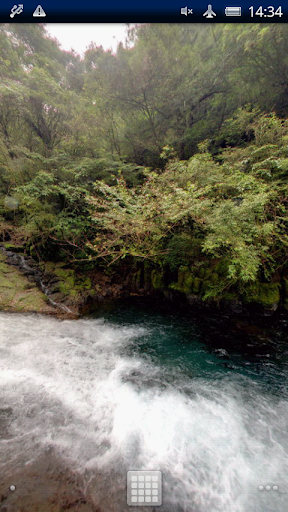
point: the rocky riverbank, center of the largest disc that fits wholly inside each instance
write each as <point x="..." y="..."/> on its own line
<point x="50" y="288"/>
<point x="18" y="294"/>
<point x="59" y="289"/>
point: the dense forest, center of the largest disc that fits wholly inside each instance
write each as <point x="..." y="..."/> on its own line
<point x="167" y="159"/>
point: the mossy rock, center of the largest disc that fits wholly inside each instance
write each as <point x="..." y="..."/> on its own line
<point x="185" y="283"/>
<point x="67" y="289"/>
<point x="188" y="283"/>
<point x="157" y="280"/>
<point x="18" y="294"/>
<point x="147" y="276"/>
<point x="137" y="279"/>
<point x="182" y="272"/>
<point x="201" y="272"/>
<point x="64" y="273"/>
<point x="69" y="284"/>
<point x="197" y="283"/>
<point x="206" y="285"/>
<point x="265" y="294"/>
<point x="14" y="248"/>
<point x="87" y="283"/>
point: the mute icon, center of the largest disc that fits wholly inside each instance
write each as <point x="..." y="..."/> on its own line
<point x="186" y="11"/>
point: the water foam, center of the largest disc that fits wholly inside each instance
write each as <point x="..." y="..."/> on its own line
<point x="72" y="386"/>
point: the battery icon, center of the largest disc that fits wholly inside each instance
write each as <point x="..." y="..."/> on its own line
<point x="233" y="11"/>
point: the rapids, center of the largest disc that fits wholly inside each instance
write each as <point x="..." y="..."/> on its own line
<point x="133" y="390"/>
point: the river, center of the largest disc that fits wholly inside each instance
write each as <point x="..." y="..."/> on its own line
<point x="135" y="389"/>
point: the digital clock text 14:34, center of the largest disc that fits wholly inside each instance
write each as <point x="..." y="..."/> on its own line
<point x="266" y="12"/>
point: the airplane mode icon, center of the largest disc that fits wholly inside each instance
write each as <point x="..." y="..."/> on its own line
<point x="209" y="13"/>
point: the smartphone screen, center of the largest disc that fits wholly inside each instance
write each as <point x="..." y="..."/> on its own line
<point x="143" y="257"/>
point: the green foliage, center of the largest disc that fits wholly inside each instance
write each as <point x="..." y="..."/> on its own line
<point x="269" y="129"/>
<point x="197" y="210"/>
<point x="237" y="130"/>
<point x="107" y="169"/>
<point x="183" y="249"/>
<point x="266" y="294"/>
<point x="99" y="158"/>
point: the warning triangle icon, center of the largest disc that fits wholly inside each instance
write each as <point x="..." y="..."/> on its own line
<point x="39" y="12"/>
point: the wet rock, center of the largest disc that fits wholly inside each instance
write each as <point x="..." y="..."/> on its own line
<point x="45" y="485"/>
<point x="54" y="288"/>
<point x="57" y="297"/>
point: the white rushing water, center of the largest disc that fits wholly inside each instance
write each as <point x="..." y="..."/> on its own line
<point x="73" y="385"/>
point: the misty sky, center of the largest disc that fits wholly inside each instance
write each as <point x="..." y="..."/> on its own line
<point x="79" y="35"/>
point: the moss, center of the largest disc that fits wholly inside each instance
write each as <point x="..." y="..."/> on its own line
<point x="32" y="251"/>
<point x="64" y="273"/>
<point x="4" y="268"/>
<point x="67" y="289"/>
<point x="14" y="248"/>
<point x="214" y="278"/>
<point x="70" y="284"/>
<point x="206" y="285"/>
<point x="182" y="273"/>
<point x="17" y="293"/>
<point x="67" y="284"/>
<point x="87" y="283"/>
<point x="197" y="285"/>
<point x="6" y="282"/>
<point x="265" y="294"/>
<point x="157" y="280"/>
<point x="51" y="267"/>
<point x="202" y="272"/>
<point x="188" y="283"/>
<point x="137" y="279"/>
<point x="185" y="283"/>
